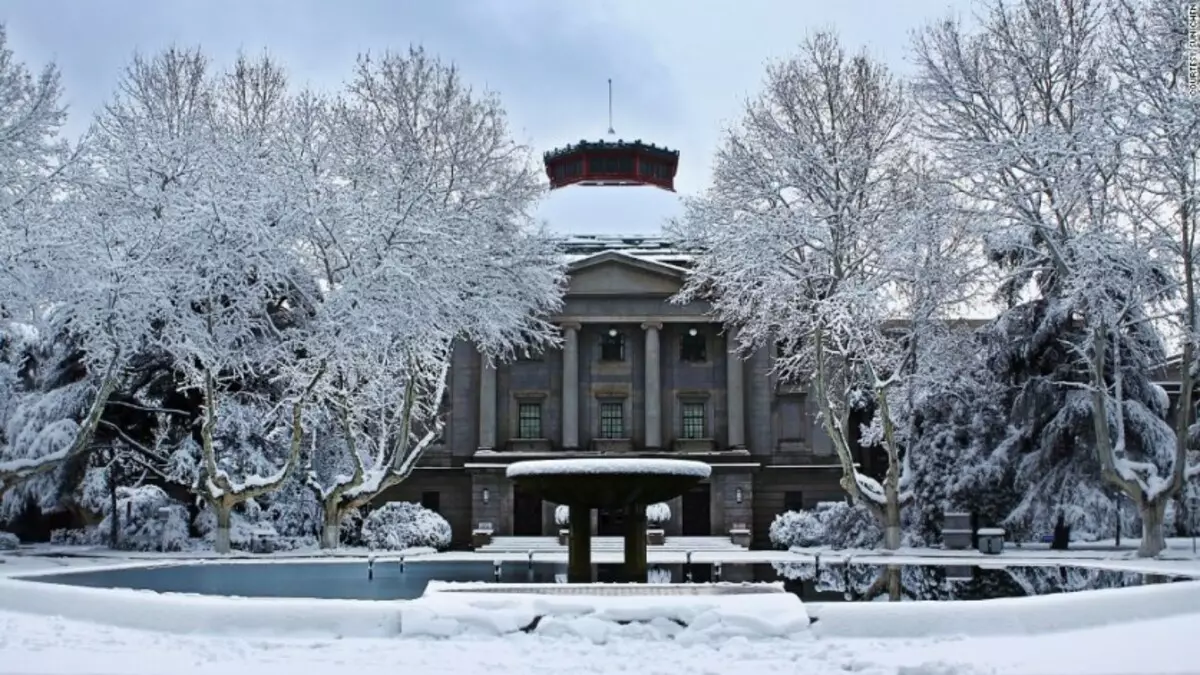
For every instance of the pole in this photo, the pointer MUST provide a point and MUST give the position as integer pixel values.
(610, 124)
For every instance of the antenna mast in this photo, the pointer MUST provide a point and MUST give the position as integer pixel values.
(610, 124)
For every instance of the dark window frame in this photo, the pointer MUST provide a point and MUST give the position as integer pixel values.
(693, 348)
(693, 427)
(529, 427)
(612, 347)
(612, 426)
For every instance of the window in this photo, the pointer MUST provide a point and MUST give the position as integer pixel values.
(612, 346)
(793, 500)
(693, 347)
(612, 419)
(693, 421)
(432, 501)
(529, 420)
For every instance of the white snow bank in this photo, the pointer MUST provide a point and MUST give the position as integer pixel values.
(449, 609)
(214, 615)
(567, 467)
(1005, 616)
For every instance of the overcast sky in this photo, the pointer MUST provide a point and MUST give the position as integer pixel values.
(681, 68)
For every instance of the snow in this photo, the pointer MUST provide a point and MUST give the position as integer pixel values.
(567, 467)
(990, 532)
(493, 609)
(44, 643)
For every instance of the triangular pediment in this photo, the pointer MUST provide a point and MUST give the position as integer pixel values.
(616, 273)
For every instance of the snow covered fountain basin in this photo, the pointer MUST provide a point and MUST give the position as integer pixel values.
(626, 484)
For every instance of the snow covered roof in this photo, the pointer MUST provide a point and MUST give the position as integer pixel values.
(613, 465)
(654, 249)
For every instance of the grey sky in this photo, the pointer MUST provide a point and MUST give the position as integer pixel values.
(681, 68)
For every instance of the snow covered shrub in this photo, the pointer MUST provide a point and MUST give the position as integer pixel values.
(243, 525)
(9, 541)
(400, 525)
(350, 531)
(833, 524)
(562, 515)
(658, 575)
(75, 537)
(142, 528)
(657, 514)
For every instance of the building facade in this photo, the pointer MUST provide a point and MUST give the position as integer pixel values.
(636, 375)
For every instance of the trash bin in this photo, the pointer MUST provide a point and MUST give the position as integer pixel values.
(991, 540)
(956, 531)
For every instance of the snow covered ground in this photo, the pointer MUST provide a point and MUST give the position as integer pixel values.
(1139, 630)
(31, 644)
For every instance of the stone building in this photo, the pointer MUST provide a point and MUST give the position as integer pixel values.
(636, 374)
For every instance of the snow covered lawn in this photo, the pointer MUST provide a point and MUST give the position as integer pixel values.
(36, 645)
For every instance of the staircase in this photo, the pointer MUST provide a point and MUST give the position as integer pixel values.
(609, 545)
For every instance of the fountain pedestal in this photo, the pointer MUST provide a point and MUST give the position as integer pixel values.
(579, 547)
(608, 483)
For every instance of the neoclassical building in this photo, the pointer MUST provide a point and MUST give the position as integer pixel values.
(637, 375)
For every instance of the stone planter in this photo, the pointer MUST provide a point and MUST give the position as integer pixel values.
(563, 536)
(740, 537)
(481, 537)
(655, 537)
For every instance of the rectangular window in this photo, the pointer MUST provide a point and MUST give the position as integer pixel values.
(793, 500)
(693, 347)
(529, 420)
(612, 347)
(693, 421)
(612, 419)
(432, 501)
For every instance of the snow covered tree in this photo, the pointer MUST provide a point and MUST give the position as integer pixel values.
(191, 159)
(1160, 120)
(1018, 114)
(795, 236)
(419, 236)
(44, 264)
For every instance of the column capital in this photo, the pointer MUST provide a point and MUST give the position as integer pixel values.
(656, 325)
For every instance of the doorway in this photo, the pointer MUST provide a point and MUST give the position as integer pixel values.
(527, 515)
(697, 511)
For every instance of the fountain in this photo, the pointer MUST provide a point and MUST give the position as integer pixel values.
(610, 483)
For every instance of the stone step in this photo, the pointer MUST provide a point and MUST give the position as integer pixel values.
(605, 544)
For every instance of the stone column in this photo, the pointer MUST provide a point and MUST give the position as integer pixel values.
(653, 387)
(487, 404)
(635, 544)
(579, 546)
(570, 386)
(735, 403)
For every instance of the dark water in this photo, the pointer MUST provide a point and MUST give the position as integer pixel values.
(393, 581)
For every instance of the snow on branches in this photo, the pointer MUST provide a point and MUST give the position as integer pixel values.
(416, 229)
(797, 231)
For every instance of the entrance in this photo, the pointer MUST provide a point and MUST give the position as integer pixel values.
(527, 515)
(697, 511)
(610, 522)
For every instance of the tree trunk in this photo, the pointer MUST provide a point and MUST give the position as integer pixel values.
(1062, 534)
(224, 514)
(1152, 515)
(331, 527)
(114, 523)
(891, 521)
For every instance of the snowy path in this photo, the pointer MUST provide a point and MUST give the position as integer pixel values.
(32, 645)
